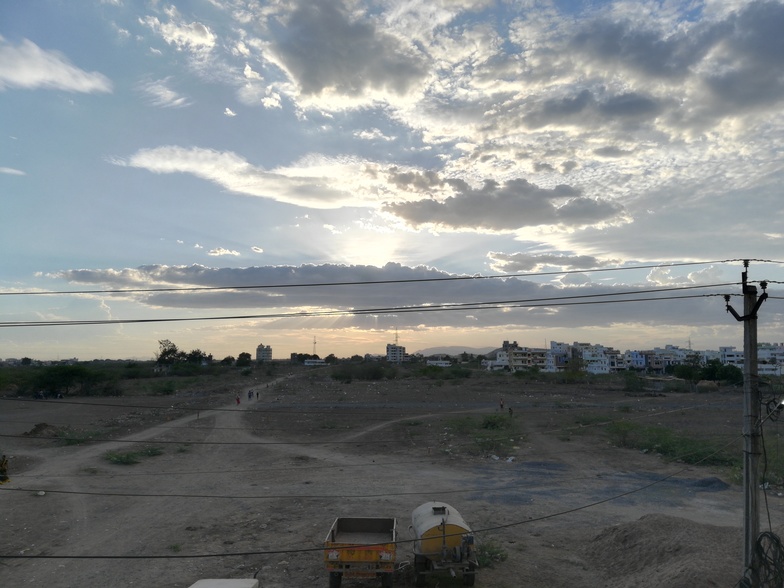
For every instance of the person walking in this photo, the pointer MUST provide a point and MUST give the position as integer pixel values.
(4, 470)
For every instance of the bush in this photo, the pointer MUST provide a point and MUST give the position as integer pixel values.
(490, 552)
(667, 443)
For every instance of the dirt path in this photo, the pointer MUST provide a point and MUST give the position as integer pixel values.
(565, 512)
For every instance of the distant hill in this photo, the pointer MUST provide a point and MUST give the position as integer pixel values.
(454, 350)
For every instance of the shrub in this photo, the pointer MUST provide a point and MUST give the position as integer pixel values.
(490, 552)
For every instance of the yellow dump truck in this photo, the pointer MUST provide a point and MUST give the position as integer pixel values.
(444, 542)
(361, 547)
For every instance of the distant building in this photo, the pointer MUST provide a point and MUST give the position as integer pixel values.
(263, 353)
(396, 353)
(498, 360)
(440, 362)
(523, 358)
(314, 362)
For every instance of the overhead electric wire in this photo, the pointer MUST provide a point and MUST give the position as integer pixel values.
(156, 442)
(288, 496)
(445, 307)
(363, 282)
(398, 542)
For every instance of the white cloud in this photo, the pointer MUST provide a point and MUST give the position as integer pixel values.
(257, 249)
(159, 94)
(372, 135)
(11, 171)
(30, 67)
(314, 182)
(194, 36)
(272, 100)
(221, 251)
(229, 112)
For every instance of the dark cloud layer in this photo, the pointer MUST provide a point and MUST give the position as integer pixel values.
(506, 207)
(585, 109)
(325, 48)
(526, 262)
(517, 302)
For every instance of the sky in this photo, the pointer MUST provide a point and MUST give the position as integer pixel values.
(342, 164)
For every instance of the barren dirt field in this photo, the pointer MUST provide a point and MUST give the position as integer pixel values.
(223, 490)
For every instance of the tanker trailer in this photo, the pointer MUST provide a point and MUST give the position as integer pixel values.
(444, 542)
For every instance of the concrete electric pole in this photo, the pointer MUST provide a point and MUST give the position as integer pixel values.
(751, 425)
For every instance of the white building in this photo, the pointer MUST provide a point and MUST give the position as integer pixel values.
(500, 362)
(263, 353)
(729, 356)
(396, 353)
(444, 363)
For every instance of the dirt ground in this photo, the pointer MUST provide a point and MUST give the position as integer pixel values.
(233, 490)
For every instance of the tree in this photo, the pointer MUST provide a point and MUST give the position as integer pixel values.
(331, 359)
(690, 373)
(168, 354)
(61, 378)
(711, 370)
(228, 360)
(197, 356)
(243, 359)
(731, 374)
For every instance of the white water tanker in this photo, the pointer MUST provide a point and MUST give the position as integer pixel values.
(444, 542)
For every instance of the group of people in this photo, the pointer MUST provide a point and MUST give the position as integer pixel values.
(250, 396)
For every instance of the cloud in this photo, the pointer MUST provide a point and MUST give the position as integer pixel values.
(289, 289)
(11, 171)
(194, 37)
(220, 251)
(507, 207)
(526, 262)
(748, 71)
(257, 249)
(159, 94)
(315, 182)
(325, 47)
(612, 152)
(584, 109)
(229, 112)
(29, 67)
(372, 135)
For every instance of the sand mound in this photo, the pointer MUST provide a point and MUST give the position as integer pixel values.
(659, 550)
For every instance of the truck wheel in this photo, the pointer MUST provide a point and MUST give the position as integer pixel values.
(335, 578)
(420, 565)
(470, 578)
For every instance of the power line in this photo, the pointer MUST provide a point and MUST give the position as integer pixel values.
(398, 542)
(445, 307)
(361, 282)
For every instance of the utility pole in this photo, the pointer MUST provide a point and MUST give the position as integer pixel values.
(752, 433)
